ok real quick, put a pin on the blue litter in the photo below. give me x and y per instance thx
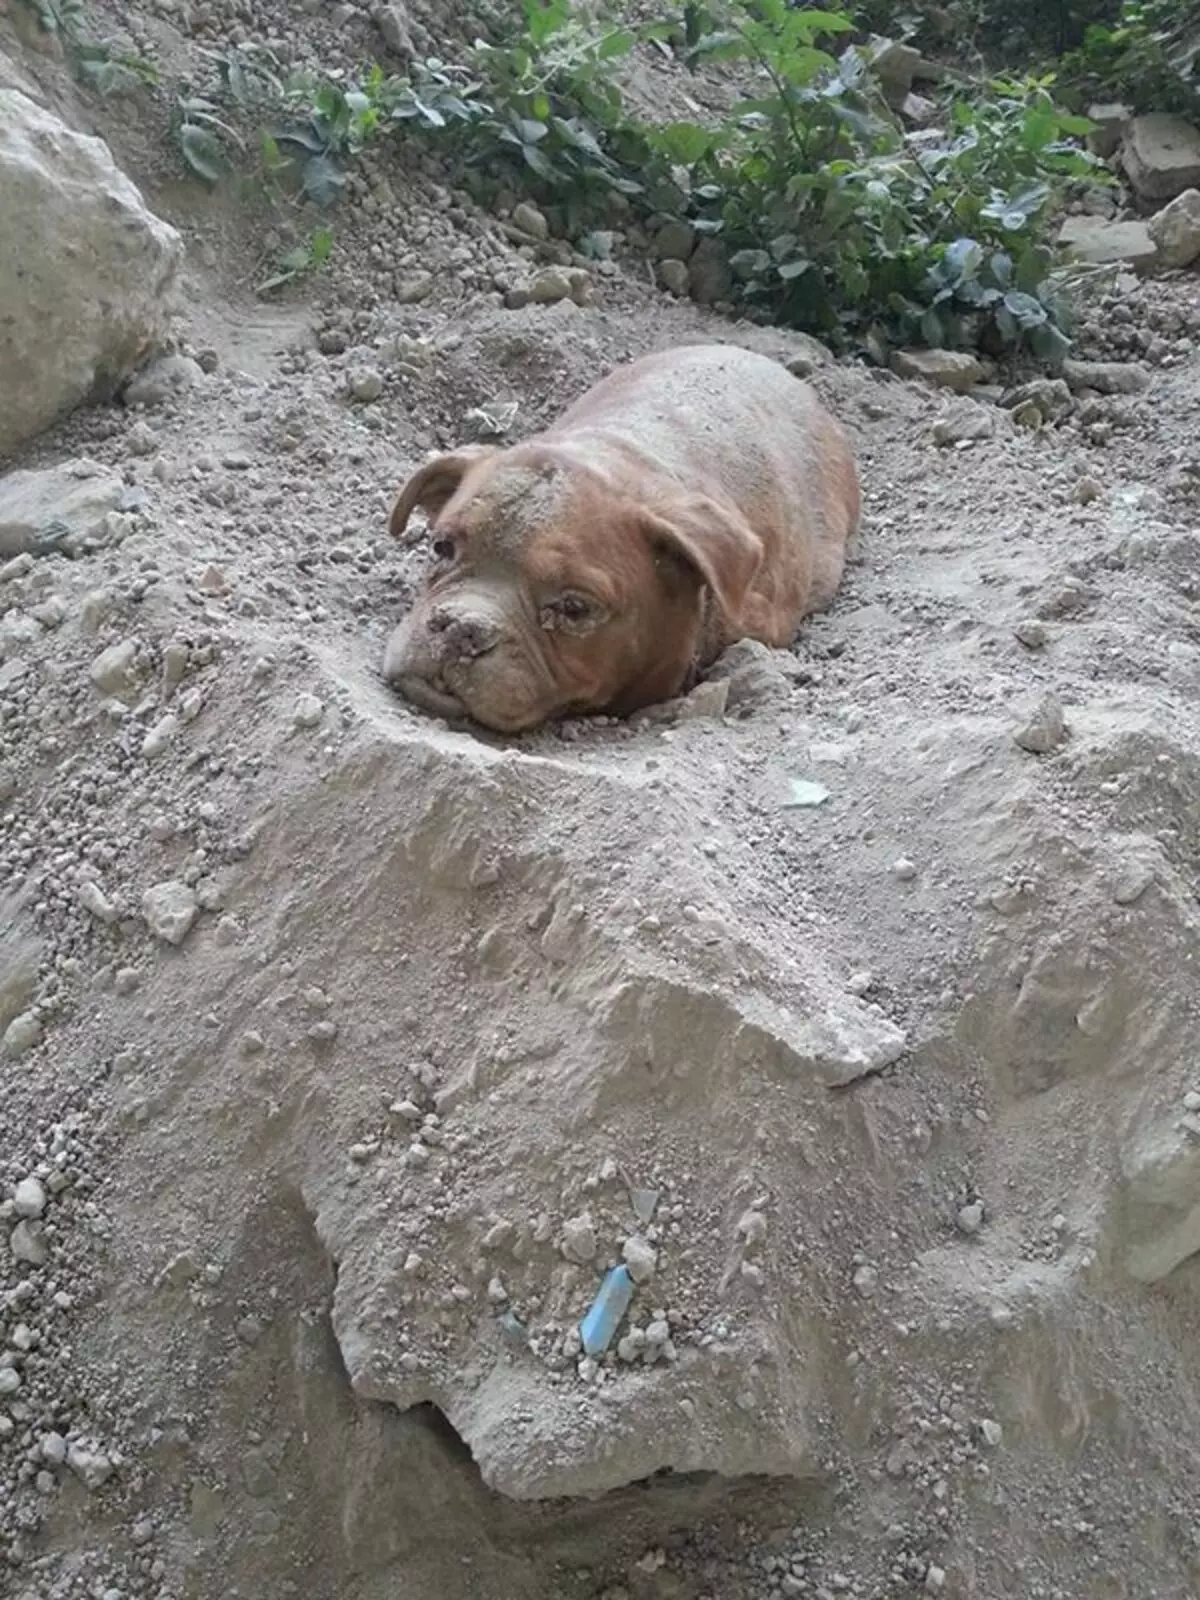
(604, 1318)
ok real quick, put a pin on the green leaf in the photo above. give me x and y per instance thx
(322, 180)
(1027, 311)
(203, 153)
(684, 142)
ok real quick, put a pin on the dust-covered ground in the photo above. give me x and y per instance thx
(346, 1050)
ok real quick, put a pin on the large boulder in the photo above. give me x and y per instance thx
(1176, 230)
(86, 270)
(1161, 156)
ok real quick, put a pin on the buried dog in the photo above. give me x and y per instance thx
(692, 498)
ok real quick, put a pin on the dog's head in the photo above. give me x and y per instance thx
(554, 590)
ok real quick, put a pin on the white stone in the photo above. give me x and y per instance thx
(29, 1198)
(1176, 230)
(170, 909)
(86, 269)
(1104, 243)
(640, 1257)
(23, 1033)
(1161, 156)
(72, 498)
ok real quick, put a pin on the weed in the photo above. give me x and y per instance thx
(1149, 58)
(98, 63)
(297, 262)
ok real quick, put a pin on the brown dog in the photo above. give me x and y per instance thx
(695, 497)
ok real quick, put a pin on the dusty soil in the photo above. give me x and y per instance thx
(868, 1011)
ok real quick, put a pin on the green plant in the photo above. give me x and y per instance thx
(301, 259)
(338, 120)
(1149, 58)
(98, 63)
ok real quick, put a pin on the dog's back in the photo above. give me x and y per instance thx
(738, 425)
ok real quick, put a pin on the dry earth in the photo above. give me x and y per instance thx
(346, 1050)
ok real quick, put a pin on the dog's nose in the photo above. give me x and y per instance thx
(461, 636)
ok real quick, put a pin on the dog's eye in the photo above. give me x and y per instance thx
(443, 549)
(573, 607)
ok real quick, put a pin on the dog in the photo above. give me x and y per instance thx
(692, 498)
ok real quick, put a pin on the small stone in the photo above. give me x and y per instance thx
(93, 899)
(89, 1464)
(307, 712)
(945, 369)
(160, 735)
(53, 1448)
(1031, 633)
(640, 1257)
(991, 1433)
(10, 1381)
(1086, 491)
(866, 1281)
(1191, 1100)
(674, 277)
(530, 220)
(578, 1241)
(170, 909)
(935, 1579)
(393, 30)
(1106, 377)
(969, 1219)
(1176, 230)
(112, 670)
(163, 380)
(29, 1198)
(1102, 242)
(365, 384)
(23, 1033)
(28, 1243)
(903, 869)
(417, 286)
(1045, 730)
(549, 285)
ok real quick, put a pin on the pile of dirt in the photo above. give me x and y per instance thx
(344, 1051)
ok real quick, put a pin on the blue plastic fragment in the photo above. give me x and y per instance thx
(604, 1318)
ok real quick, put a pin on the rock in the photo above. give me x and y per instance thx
(44, 508)
(550, 285)
(1106, 377)
(963, 422)
(27, 1242)
(969, 1219)
(1050, 397)
(1034, 635)
(530, 220)
(1046, 728)
(414, 287)
(1157, 1217)
(674, 277)
(945, 369)
(1111, 121)
(365, 384)
(1176, 230)
(753, 673)
(86, 270)
(29, 1198)
(1102, 243)
(709, 272)
(674, 241)
(112, 671)
(707, 699)
(579, 1239)
(845, 1043)
(162, 381)
(394, 31)
(640, 1257)
(170, 908)
(895, 65)
(1161, 156)
(23, 1033)
(307, 712)
(89, 1464)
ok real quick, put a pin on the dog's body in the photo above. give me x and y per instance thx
(692, 498)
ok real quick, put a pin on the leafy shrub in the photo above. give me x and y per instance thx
(1150, 58)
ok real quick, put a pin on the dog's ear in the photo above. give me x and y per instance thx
(431, 486)
(697, 541)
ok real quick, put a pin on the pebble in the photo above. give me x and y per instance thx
(160, 735)
(365, 384)
(112, 670)
(1033, 634)
(10, 1381)
(904, 869)
(94, 900)
(640, 1257)
(29, 1198)
(89, 1464)
(307, 712)
(866, 1281)
(28, 1243)
(970, 1218)
(579, 1239)
(1045, 729)
(170, 908)
(23, 1033)
(530, 220)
